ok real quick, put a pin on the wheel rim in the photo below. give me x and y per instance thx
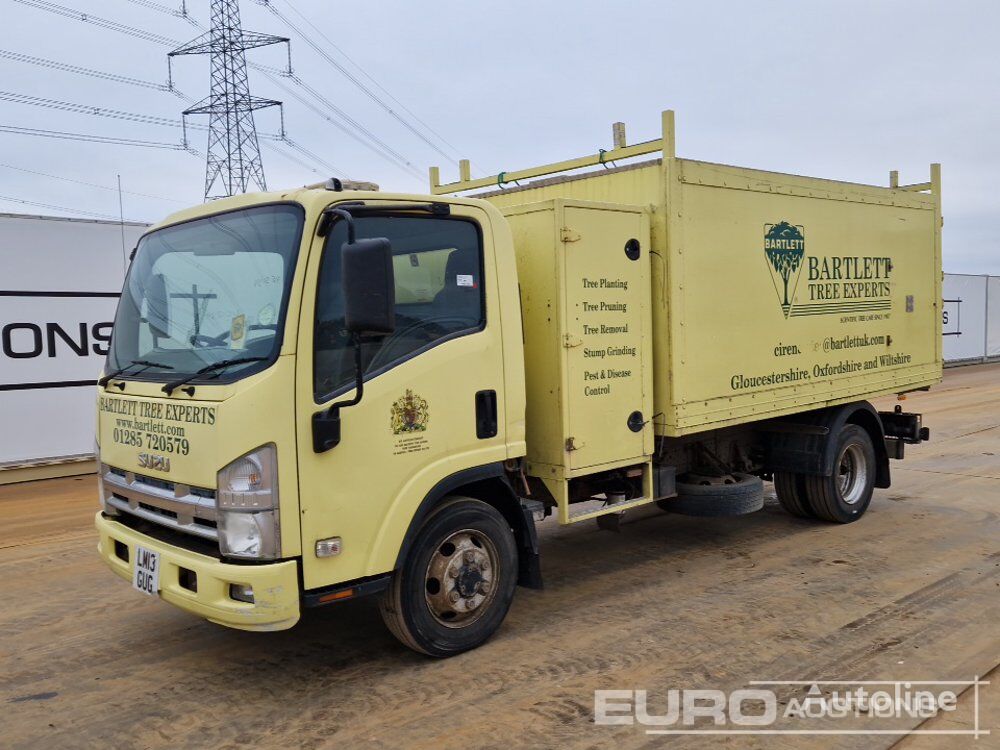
(460, 582)
(852, 474)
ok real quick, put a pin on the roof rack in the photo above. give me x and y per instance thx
(603, 157)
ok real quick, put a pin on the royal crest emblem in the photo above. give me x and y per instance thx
(409, 414)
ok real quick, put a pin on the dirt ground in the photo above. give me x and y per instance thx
(911, 592)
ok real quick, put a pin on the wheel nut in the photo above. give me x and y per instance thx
(453, 596)
(484, 587)
(453, 573)
(469, 557)
(470, 603)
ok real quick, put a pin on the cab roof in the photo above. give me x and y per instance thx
(311, 197)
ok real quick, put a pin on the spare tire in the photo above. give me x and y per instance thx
(728, 495)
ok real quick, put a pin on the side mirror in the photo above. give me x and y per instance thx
(369, 309)
(369, 286)
(157, 309)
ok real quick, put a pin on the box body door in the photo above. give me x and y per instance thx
(606, 335)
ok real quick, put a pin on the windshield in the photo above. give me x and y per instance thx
(208, 290)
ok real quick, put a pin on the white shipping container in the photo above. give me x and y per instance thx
(58, 292)
(993, 316)
(963, 317)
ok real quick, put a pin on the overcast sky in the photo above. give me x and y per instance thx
(846, 90)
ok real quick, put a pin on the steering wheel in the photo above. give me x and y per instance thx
(204, 341)
(385, 353)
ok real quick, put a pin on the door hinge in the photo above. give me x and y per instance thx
(569, 341)
(572, 445)
(568, 235)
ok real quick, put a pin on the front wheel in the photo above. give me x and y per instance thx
(457, 582)
(845, 495)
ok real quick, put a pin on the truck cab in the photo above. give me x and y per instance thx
(230, 487)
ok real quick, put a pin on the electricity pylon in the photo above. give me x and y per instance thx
(233, 161)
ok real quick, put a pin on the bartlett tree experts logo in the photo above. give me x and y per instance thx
(409, 414)
(784, 247)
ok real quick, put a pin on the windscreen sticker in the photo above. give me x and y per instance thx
(464, 280)
(266, 316)
(237, 332)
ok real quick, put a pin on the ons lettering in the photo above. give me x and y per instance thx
(31, 340)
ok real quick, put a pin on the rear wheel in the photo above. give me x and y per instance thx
(845, 495)
(791, 491)
(457, 582)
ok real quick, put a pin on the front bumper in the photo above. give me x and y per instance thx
(275, 585)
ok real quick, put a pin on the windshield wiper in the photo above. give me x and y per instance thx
(174, 384)
(146, 364)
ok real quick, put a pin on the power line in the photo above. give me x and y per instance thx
(309, 154)
(157, 7)
(90, 184)
(274, 147)
(376, 145)
(355, 124)
(380, 147)
(91, 138)
(105, 75)
(115, 114)
(157, 39)
(176, 12)
(327, 170)
(87, 109)
(79, 70)
(53, 206)
(355, 80)
(367, 75)
(97, 21)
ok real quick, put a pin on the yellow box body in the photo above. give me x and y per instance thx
(864, 299)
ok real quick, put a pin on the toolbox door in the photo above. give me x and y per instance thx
(606, 337)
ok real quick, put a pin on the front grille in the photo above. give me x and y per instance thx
(189, 510)
(167, 535)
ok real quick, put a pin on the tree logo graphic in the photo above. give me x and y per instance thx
(785, 247)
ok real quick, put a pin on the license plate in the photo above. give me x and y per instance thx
(146, 575)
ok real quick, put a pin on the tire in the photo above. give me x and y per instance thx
(465, 550)
(791, 491)
(844, 496)
(744, 494)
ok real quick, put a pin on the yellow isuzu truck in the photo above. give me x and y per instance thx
(330, 392)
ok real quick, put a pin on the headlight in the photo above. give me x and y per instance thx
(247, 505)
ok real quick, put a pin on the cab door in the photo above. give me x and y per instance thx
(433, 401)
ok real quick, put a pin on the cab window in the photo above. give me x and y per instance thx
(437, 264)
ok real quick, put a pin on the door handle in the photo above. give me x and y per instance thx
(486, 414)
